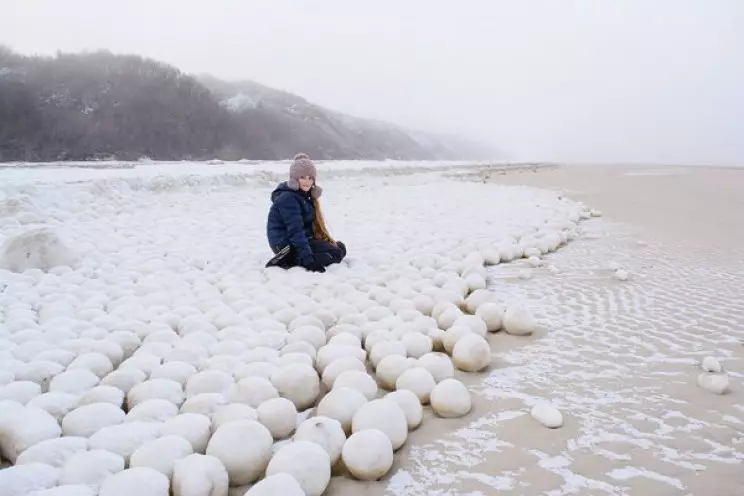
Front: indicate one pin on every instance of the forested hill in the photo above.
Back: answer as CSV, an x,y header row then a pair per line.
x,y
102,106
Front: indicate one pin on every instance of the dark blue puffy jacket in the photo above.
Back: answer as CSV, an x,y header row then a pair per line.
x,y
290,221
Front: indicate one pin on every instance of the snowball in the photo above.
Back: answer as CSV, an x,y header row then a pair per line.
x,y
279,415
448,317
307,462
193,427
25,479
20,391
70,490
90,467
56,404
205,403
306,320
54,452
329,353
124,439
519,321
453,335
718,384
339,366
308,334
253,391
386,348
152,411
98,363
346,339
325,432
417,344
39,371
209,381
161,454
471,353
255,369
38,248
280,484
163,389
199,475
179,372
419,381
361,381
450,399
492,314
244,447
410,404
231,413
621,275
390,368
547,415
297,382
124,379
21,428
473,322
142,481
384,415
103,394
438,364
710,364
341,404
86,420
368,454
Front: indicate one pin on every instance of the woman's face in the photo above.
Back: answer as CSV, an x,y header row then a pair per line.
x,y
306,182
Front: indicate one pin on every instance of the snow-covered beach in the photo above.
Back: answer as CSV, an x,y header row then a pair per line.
x,y
168,298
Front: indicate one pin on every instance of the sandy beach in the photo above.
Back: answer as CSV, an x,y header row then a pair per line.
x,y
620,359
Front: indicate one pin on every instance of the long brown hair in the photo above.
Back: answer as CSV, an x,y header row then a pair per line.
x,y
319,226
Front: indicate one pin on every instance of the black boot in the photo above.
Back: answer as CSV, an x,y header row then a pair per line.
x,y
284,259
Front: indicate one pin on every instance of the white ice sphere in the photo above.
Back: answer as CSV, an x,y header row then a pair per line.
x,y
209,381
307,320
384,415
161,454
308,334
90,467
474,323
279,415
368,454
711,364
361,381
475,281
438,364
142,481
163,389
23,427
519,320
22,480
417,344
390,368
328,433
448,317
20,391
38,371
419,381
450,399
253,391
124,439
288,358
471,353
199,475
103,394
347,339
205,403
547,415
279,484
244,448
307,462
492,314
297,382
38,248
179,372
98,363
477,298
232,412
152,411
452,335
74,381
86,420
54,452
69,490
329,353
339,366
124,379
621,275
386,348
255,369
193,427
341,404
424,304
411,406
718,384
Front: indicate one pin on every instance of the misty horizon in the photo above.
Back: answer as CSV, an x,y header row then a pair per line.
x,y
616,82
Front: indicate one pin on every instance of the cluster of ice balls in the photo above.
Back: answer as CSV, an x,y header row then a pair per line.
x,y
132,383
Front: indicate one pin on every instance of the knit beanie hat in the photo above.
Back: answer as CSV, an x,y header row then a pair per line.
x,y
303,166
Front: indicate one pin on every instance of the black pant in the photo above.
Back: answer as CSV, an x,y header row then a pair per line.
x,y
324,253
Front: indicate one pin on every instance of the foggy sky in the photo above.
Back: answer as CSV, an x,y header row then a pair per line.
x,y
593,80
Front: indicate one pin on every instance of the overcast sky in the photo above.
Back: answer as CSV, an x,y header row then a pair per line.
x,y
592,80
